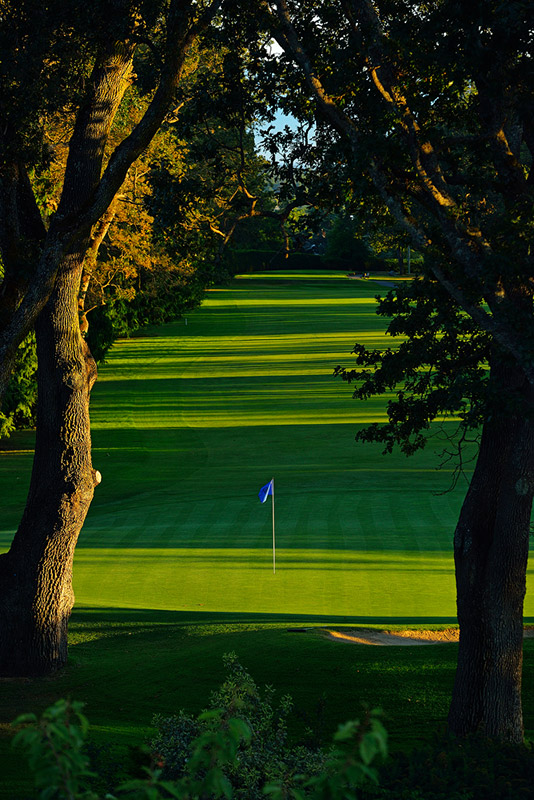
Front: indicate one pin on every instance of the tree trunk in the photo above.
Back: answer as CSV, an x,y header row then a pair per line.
x,y
400,260
36,596
491,551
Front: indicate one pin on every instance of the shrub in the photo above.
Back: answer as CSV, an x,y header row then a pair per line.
x,y
266,756
54,748
21,395
237,748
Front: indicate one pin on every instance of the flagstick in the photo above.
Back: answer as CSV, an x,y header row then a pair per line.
x,y
274,540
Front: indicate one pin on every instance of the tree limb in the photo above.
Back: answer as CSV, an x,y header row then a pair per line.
x,y
77,214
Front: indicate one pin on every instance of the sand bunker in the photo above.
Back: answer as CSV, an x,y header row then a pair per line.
x,y
401,637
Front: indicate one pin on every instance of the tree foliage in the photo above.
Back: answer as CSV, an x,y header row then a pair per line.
x,y
21,394
438,370
162,241
429,109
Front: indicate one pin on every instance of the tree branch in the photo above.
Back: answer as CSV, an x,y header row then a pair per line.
x,y
286,36
80,211
181,34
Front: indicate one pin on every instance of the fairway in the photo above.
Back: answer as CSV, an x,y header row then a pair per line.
x,y
189,420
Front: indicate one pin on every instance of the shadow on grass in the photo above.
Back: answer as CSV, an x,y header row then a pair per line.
x,y
128,664
165,617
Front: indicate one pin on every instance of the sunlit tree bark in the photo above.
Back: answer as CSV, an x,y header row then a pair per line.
x,y
41,285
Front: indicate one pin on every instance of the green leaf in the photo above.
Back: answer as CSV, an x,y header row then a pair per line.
x,y
239,729
346,731
368,748
24,719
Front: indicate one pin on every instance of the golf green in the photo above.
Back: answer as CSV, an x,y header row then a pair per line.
x,y
192,418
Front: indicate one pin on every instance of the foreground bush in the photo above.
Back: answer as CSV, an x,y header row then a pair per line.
x,y
237,748
264,759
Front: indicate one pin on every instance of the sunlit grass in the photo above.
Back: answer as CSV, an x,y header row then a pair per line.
x,y
174,568
190,420
251,302
241,580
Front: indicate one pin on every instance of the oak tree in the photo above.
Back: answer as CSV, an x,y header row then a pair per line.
x,y
60,57
429,108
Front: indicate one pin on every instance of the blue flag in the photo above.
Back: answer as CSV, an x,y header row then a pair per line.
x,y
265,491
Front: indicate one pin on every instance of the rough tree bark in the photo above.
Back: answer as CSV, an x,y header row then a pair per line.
x,y
36,594
491,545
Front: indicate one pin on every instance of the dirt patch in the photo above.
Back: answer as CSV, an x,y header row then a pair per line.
x,y
399,637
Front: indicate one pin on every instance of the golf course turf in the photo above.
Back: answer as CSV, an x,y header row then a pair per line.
x,y
189,421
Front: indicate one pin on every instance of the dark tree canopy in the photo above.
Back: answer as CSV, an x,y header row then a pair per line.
x,y
437,370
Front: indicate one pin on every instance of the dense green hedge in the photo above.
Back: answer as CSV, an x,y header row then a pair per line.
x,y
268,260
243,261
